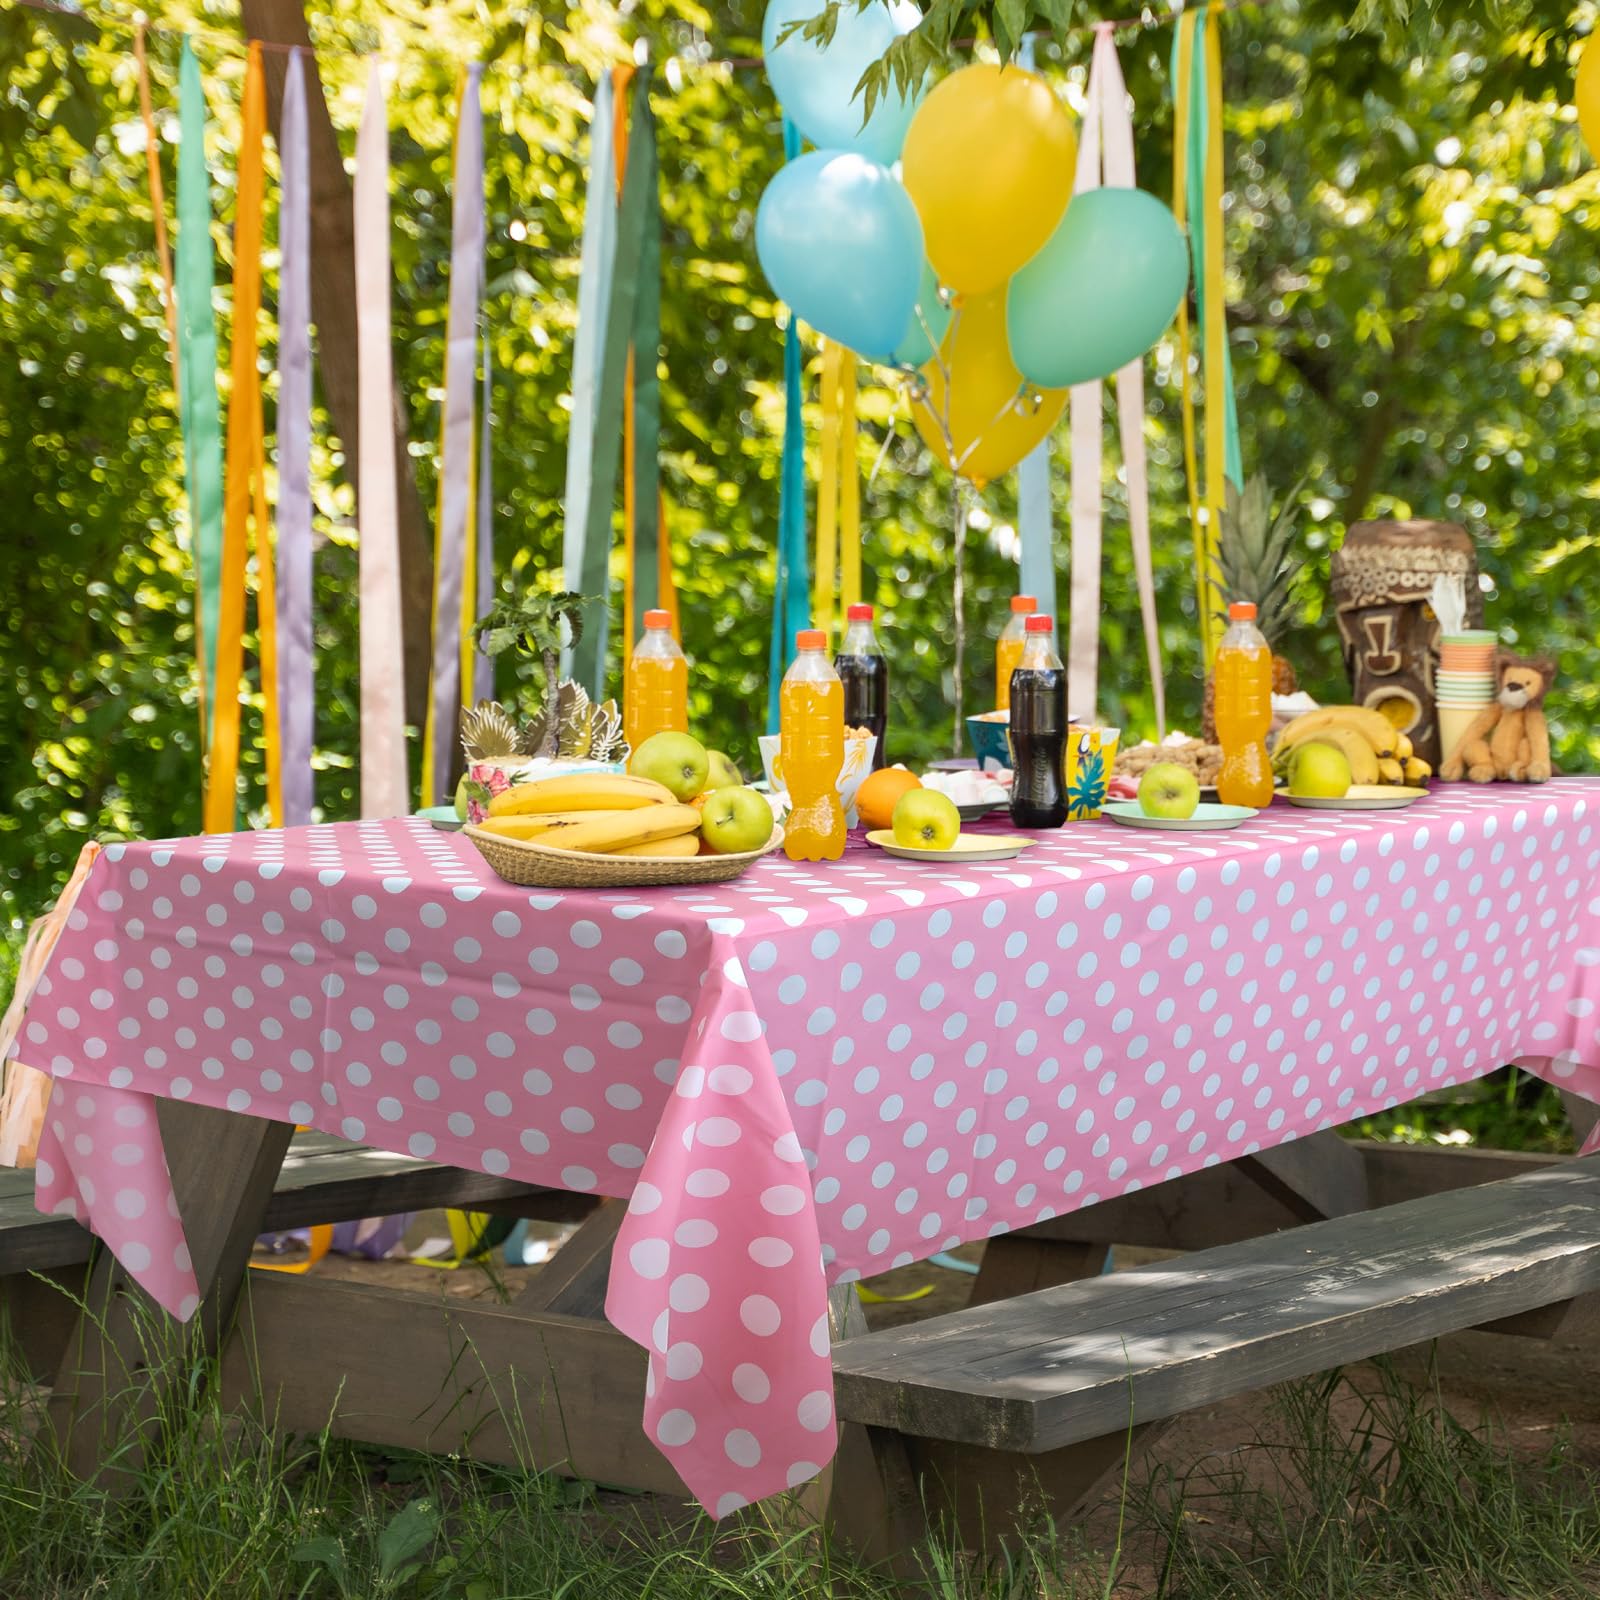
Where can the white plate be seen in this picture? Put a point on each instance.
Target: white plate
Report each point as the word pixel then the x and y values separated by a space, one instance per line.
pixel 1361 797
pixel 1207 817
pixel 980 809
pixel 968 847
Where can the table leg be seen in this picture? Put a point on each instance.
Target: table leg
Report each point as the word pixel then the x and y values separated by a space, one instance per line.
pixel 128 1353
pixel 1019 1263
pixel 574 1282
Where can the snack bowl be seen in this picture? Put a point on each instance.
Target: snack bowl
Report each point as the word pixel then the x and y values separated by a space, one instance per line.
pixel 858 752
pixel 989 735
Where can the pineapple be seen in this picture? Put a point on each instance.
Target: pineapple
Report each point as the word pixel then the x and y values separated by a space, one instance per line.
pixel 1254 555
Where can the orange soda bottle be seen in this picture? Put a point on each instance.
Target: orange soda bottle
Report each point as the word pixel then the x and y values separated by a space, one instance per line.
pixel 811 731
pixel 1244 710
pixel 1008 648
pixel 657 694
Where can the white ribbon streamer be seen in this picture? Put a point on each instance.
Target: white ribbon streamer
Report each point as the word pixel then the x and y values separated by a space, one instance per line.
pixel 384 787
pixel 594 298
pixel 1107 141
pixel 296 688
pixel 456 462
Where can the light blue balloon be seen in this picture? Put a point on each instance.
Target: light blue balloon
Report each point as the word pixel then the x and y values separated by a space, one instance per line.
pixel 929 319
pixel 817 88
pixel 1100 292
pixel 839 239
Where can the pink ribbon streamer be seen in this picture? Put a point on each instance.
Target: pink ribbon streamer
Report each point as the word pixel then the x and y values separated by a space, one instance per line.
pixel 1107 141
pixel 456 463
pixel 296 691
pixel 384 788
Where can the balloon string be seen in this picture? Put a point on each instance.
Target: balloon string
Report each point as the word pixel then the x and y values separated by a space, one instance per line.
pixel 958 512
pixel 979 437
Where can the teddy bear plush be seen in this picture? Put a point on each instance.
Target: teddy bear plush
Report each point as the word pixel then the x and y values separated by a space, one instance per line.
pixel 1508 739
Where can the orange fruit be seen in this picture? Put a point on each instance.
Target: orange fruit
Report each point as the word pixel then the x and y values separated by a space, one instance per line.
pixel 879 794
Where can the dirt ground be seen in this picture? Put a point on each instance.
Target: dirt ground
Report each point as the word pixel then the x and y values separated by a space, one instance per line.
pixel 1528 1388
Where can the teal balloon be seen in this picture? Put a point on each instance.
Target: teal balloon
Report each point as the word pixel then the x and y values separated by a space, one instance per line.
pixel 839 239
pixel 817 87
pixel 930 315
pixel 1100 292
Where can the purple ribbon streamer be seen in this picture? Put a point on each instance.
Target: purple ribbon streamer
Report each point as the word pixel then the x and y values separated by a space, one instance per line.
pixel 296 690
pixel 455 467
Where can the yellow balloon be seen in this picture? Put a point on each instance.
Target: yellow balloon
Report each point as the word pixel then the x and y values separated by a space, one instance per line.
pixel 996 417
pixel 988 161
pixel 1586 94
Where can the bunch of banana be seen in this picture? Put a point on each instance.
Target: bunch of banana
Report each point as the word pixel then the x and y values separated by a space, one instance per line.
pixel 1376 750
pixel 599 813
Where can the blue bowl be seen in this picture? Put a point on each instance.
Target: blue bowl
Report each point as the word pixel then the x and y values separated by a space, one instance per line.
pixel 989 738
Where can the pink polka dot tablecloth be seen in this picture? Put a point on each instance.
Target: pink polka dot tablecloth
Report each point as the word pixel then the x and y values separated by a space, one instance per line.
pixel 814 1073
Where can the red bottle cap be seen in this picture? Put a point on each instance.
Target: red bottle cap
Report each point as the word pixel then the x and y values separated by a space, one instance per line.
pixel 658 619
pixel 1038 623
pixel 1022 604
pixel 859 613
pixel 1242 611
pixel 810 639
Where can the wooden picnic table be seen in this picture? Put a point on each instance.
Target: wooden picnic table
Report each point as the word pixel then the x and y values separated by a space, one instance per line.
pixel 794 1080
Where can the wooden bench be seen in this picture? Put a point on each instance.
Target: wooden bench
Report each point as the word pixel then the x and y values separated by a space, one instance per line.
pixel 322 1179
pixel 973 1414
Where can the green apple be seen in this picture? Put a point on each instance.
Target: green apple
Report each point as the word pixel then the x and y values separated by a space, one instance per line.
pixel 723 773
pixel 734 819
pixel 924 819
pixel 1319 771
pixel 1169 791
pixel 677 760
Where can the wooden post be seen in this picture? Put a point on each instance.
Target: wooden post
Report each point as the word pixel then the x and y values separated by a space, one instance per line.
pixel 128 1352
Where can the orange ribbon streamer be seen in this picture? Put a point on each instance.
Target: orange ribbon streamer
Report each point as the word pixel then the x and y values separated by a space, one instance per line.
pixel 244 497
pixel 158 201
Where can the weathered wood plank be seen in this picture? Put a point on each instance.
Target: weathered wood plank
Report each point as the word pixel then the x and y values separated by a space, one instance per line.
pixel 1020 1263
pixel 323 1180
pixel 1320 1176
pixel 41 1314
pixel 127 1351
pixel 574 1282
pixel 1057 1367
pixel 421 1372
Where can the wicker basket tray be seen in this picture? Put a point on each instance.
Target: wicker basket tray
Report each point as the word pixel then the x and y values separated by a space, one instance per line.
pixel 541 866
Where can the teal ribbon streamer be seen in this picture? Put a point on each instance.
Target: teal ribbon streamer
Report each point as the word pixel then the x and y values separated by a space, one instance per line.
pixel 791 589
pixel 1199 137
pixel 198 408
pixel 1038 576
pixel 638 184
pixel 588 345
pixel 647 383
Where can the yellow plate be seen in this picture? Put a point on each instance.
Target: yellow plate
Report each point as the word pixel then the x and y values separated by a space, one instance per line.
pixel 1362 797
pixel 968 847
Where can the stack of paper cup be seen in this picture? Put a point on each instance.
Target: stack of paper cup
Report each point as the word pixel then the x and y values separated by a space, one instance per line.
pixel 1465 684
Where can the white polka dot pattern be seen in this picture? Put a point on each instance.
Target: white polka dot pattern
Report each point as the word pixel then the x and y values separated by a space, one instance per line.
pixel 812 1074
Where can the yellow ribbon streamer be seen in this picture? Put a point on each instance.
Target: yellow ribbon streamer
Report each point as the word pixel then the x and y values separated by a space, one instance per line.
pixel 244 490
pixel 849 490
pixel 158 202
pixel 1216 334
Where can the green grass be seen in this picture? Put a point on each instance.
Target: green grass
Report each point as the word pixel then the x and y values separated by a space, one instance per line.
pixel 1342 1497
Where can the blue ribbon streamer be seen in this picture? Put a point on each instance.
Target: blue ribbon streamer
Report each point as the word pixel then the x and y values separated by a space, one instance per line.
pixel 791 610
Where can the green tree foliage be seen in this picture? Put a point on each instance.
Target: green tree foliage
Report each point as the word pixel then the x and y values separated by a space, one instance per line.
pixel 1411 267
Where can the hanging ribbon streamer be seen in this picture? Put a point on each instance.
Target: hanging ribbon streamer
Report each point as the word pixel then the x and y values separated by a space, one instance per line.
pixel 588 346
pixel 1198 165
pixel 158 200
pixel 838 490
pixel 384 789
pixel 296 691
pixel 198 409
pixel 453 580
pixel 482 673
pixel 1107 143
pixel 621 332
pixel 647 582
pixel 790 587
pixel 245 477
pixel 1035 530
